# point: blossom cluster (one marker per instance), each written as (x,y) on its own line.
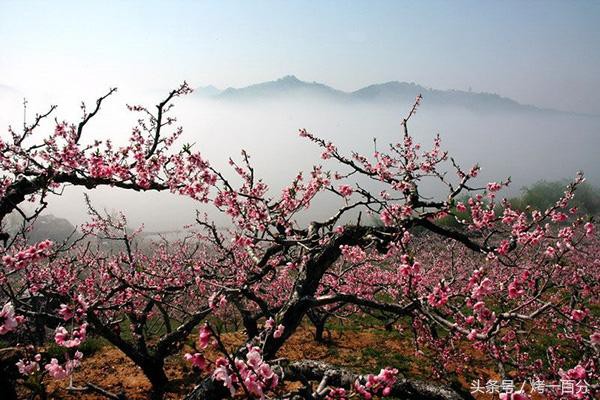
(253,374)
(367,387)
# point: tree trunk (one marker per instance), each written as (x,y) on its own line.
(404,388)
(154,370)
(319,323)
(208,390)
(319,329)
(8,372)
(251,327)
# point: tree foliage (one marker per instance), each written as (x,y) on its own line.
(496,282)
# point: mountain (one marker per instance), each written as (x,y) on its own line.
(207,91)
(402,92)
(45,227)
(290,87)
(53,228)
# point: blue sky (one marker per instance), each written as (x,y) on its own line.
(545,53)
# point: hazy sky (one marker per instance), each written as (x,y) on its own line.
(540,52)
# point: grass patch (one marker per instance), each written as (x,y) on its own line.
(385,358)
(91,345)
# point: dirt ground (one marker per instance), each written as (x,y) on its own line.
(365,350)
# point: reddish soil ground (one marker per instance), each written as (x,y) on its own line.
(364,350)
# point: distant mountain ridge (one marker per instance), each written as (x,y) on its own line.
(393,92)
(402,91)
(287,85)
(389,92)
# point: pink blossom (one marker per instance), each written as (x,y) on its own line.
(406,237)
(438,297)
(482,290)
(379,385)
(65,312)
(204,337)
(590,229)
(279,331)
(215,303)
(27,256)
(62,337)
(55,370)
(472,335)
(514,289)
(578,372)
(9,321)
(28,367)
(559,217)
(221,373)
(329,150)
(254,357)
(73,363)
(265,371)
(578,315)
(345,190)
(196,359)
(353,254)
(303,133)
(270,323)
(474,171)
(386,218)
(494,186)
(337,394)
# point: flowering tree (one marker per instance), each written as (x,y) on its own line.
(69,285)
(499,281)
(464,273)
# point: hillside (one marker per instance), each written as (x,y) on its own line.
(393,92)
